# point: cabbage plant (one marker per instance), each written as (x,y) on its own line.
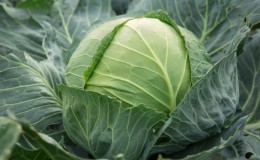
(143,72)
(129,79)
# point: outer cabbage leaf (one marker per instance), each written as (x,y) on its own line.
(249,103)
(214,22)
(10,133)
(104,127)
(210,148)
(25,154)
(47,29)
(246,147)
(249,78)
(249,62)
(20,32)
(29,90)
(204,111)
(48,146)
(70,19)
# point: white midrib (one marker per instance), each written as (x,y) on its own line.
(172,102)
(69,38)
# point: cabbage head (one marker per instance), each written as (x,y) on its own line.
(142,60)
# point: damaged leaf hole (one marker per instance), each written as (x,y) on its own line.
(248,155)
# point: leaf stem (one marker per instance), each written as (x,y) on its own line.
(69,38)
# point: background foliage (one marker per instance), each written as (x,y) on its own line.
(38,37)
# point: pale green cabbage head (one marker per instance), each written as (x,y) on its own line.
(136,60)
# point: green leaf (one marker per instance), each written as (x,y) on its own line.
(214,22)
(249,78)
(24,154)
(51,47)
(9,135)
(71,20)
(199,59)
(206,108)
(246,147)
(46,29)
(23,31)
(106,128)
(248,68)
(47,147)
(35,4)
(29,90)
(20,32)
(249,63)
(210,147)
